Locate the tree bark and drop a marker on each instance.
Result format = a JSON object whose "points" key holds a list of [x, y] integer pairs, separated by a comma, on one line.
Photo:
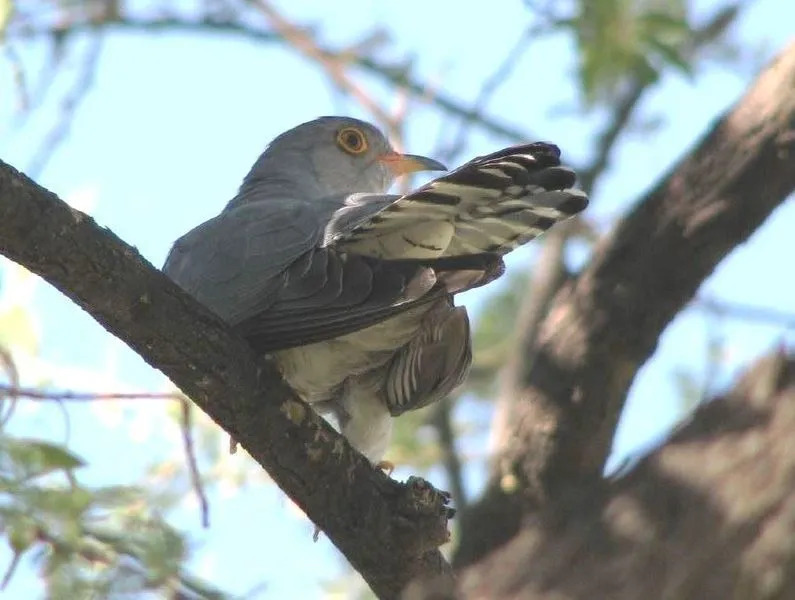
{"points": [[390, 532], [605, 323], [710, 515]]}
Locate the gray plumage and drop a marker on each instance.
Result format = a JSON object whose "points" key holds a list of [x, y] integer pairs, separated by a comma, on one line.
{"points": [[351, 289]]}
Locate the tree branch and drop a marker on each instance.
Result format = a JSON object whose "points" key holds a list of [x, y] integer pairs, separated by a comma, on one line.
{"points": [[549, 272], [709, 515], [605, 324], [389, 531]]}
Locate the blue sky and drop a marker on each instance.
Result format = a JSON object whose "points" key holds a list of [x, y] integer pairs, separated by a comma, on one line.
{"points": [[174, 121]]}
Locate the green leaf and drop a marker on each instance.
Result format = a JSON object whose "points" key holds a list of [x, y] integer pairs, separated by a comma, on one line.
{"points": [[665, 22], [28, 458], [22, 533], [119, 496], [672, 55]]}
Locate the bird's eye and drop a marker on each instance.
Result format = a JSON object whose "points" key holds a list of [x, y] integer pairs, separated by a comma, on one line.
{"points": [[351, 140]]}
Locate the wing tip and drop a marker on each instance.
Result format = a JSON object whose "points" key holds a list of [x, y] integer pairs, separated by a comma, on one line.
{"points": [[576, 201]]}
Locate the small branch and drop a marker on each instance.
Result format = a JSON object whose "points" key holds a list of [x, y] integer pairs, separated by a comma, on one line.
{"points": [[10, 368], [332, 64], [442, 421], [487, 90], [69, 105], [18, 75], [394, 74], [68, 395], [193, 467], [746, 312]]}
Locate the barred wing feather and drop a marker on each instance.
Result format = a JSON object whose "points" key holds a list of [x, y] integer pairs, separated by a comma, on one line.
{"points": [[494, 204]]}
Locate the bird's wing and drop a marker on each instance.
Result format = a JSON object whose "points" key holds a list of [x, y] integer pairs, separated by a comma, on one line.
{"points": [[493, 203], [262, 267], [236, 263]]}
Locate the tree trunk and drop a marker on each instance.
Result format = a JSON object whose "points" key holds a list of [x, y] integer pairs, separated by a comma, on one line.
{"points": [[711, 515], [605, 323]]}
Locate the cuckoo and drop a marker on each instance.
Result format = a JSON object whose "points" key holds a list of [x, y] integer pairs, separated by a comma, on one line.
{"points": [[350, 289]]}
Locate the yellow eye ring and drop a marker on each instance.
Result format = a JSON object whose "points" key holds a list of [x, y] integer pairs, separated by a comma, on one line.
{"points": [[352, 140]]}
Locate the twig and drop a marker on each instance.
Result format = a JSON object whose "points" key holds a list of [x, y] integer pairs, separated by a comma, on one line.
{"points": [[396, 75], [193, 467], [606, 141], [12, 567], [58, 396], [746, 312], [487, 90], [442, 421], [18, 73], [10, 367], [69, 105], [333, 65]]}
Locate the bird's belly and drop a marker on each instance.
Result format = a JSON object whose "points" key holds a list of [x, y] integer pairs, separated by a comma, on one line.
{"points": [[317, 370]]}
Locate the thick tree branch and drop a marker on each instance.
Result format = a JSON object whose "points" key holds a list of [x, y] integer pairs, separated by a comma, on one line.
{"points": [[709, 515], [605, 324], [389, 531]]}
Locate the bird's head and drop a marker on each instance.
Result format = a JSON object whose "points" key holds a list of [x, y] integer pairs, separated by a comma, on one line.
{"points": [[333, 156]]}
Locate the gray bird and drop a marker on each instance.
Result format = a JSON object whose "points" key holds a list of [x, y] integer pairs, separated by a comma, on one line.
{"points": [[350, 289]]}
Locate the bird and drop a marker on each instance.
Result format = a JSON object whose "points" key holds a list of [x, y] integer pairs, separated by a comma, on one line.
{"points": [[350, 289]]}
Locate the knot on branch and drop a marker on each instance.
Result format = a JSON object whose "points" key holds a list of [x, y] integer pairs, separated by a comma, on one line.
{"points": [[423, 513]]}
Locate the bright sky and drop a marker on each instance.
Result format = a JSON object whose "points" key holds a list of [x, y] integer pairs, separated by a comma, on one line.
{"points": [[172, 124]]}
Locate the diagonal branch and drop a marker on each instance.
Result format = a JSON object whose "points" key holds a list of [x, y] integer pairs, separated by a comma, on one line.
{"points": [[605, 324], [389, 531]]}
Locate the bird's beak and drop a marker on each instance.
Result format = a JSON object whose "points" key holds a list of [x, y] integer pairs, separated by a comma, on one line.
{"points": [[400, 164]]}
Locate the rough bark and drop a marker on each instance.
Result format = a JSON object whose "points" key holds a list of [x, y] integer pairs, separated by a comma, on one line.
{"points": [[390, 532], [709, 515], [605, 324]]}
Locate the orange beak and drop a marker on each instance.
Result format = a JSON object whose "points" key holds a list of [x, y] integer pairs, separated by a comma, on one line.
{"points": [[400, 164]]}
